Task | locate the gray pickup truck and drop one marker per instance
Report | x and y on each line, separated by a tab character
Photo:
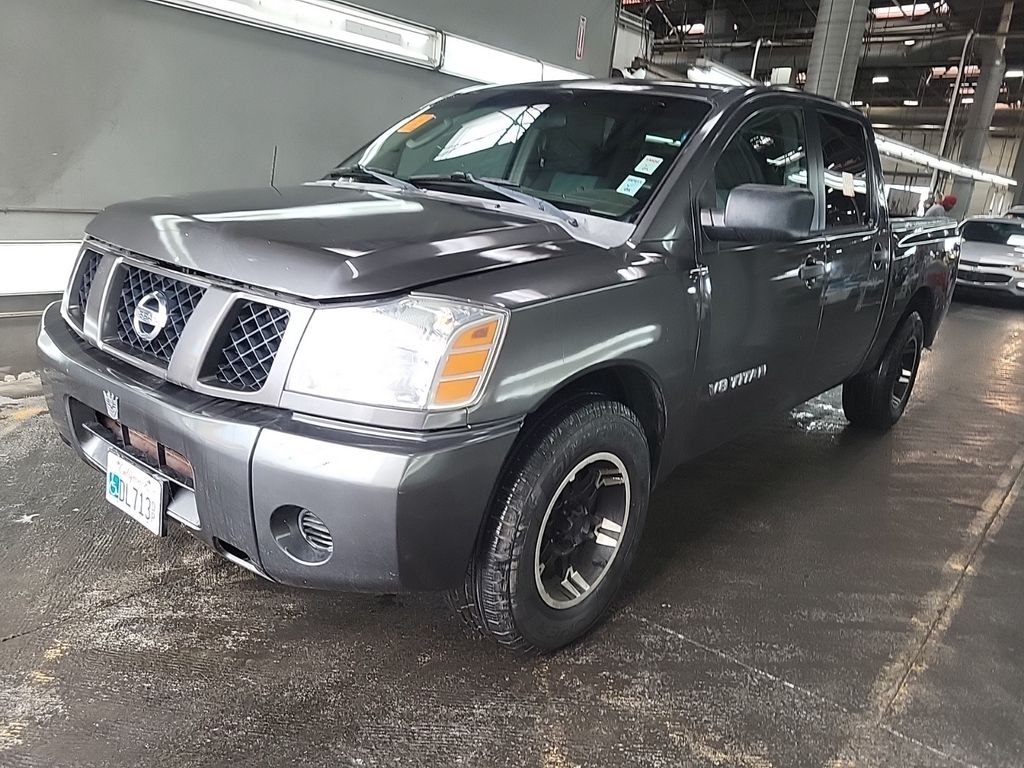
462	360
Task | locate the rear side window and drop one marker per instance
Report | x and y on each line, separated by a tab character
845	156
768	149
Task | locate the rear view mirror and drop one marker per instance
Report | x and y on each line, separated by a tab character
762	213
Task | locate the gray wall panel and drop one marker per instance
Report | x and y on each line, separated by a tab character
104	100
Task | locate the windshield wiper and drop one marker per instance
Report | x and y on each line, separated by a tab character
360	170
515	195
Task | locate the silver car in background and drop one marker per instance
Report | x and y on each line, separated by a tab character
992	255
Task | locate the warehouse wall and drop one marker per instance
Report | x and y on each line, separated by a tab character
998	156
104	100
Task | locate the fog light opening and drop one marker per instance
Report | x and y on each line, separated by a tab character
315	531
301	534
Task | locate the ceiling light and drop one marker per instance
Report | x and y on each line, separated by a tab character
910	102
898	149
856	103
967	100
971	70
471	60
878	79
718	74
909	43
331	23
1014	73
911	10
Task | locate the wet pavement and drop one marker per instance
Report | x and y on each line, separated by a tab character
806	595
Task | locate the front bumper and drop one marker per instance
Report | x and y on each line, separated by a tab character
986	277
404	508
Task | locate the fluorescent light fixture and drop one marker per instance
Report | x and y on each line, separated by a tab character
910	102
1014	73
328	22
908	11
879	79
971	70
693	29
359	29
551	72
967	100
471	60
909	43
712	72
899	150
856	103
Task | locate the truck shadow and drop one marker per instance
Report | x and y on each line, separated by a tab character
773	477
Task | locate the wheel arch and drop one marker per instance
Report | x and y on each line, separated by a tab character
628	382
925	303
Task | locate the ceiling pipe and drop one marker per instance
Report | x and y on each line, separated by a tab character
953	99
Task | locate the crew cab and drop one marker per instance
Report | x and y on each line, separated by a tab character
462	360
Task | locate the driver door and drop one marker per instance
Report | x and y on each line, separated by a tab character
760	319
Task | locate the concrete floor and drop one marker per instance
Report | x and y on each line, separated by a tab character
806	595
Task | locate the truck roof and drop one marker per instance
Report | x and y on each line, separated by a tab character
720	96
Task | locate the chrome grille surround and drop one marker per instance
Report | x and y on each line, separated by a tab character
205	310
182	299
251	346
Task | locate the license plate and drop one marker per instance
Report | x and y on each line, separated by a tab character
136	492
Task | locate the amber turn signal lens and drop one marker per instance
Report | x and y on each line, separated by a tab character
455	391
466	364
477	336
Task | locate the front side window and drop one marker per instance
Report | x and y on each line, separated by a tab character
585	150
768	149
845	156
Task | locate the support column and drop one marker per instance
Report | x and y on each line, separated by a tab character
1018	174
979	118
836	47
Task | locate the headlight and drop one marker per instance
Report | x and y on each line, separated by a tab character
1019	267
415	352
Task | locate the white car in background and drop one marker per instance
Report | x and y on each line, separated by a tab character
992	255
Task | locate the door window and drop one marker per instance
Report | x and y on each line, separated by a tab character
768	149
847	182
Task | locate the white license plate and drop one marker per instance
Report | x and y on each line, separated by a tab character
136	492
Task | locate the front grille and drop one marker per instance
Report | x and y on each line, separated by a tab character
982	277
251	345
86	276
315	532
181	299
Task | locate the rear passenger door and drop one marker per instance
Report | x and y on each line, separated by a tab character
760	318
857	252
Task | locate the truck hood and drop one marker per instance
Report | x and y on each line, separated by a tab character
991	254
323	242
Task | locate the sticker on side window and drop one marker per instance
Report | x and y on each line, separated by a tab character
631	185
849	190
649	165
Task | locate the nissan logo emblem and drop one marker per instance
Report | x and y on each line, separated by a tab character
150	315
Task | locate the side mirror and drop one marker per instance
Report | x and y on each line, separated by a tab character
762	213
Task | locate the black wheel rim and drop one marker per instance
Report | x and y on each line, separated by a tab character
582	530
905	374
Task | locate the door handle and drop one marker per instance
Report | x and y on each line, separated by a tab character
811	271
878	258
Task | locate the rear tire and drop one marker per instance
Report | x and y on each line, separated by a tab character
876	399
562	529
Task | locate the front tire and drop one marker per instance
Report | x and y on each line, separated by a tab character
876	399
562	529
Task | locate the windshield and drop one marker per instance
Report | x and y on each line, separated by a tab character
997	232
598	152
